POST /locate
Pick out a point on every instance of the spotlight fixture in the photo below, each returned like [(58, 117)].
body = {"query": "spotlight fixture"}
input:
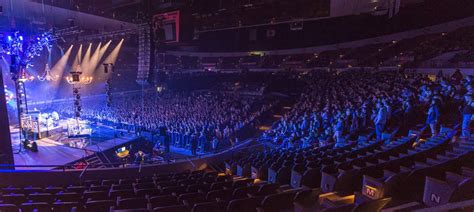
[(107, 67)]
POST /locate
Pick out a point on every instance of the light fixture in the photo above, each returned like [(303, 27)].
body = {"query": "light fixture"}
[(76, 77), (47, 75)]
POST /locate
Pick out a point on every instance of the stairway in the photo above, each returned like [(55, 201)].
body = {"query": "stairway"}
[(94, 161)]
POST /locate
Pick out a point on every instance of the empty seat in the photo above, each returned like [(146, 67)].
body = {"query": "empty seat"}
[(99, 205), (209, 207), (15, 199), (121, 193), (53, 190), (132, 203), (220, 185), (173, 208), (382, 186), (109, 182), (31, 207), (148, 185), (67, 206), (223, 194), (147, 192), (122, 187), (239, 205), (306, 200), (267, 189), (8, 208), (375, 205), (126, 181), (162, 201), (165, 184), (89, 183), (77, 189), (175, 190), (455, 188), (11, 190), (100, 188), (278, 202), (282, 176), (68, 197), (191, 198), (94, 195), (41, 197), (32, 190), (186, 182), (341, 179), (130, 210), (203, 188), (244, 191), (244, 170), (311, 178), (259, 171), (242, 183)]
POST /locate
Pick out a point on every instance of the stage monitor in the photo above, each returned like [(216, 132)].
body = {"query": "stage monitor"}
[(166, 27), (121, 149)]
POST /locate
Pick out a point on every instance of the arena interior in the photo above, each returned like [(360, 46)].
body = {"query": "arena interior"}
[(236, 105)]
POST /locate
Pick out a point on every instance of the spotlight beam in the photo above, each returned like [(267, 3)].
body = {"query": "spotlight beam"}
[(94, 60), (111, 58), (78, 59), (58, 70), (87, 56)]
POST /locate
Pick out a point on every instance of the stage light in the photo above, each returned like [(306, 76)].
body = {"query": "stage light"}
[(21, 37), (10, 38)]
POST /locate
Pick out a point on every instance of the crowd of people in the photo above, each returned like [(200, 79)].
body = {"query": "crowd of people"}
[(337, 107), (334, 107), (202, 121)]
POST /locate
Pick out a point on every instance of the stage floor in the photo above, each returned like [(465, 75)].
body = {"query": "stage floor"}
[(53, 152)]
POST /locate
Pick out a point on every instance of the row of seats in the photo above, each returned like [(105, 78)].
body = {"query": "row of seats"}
[(369, 174), (189, 191)]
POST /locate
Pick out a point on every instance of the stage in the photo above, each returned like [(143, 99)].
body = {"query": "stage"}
[(59, 149), (54, 150)]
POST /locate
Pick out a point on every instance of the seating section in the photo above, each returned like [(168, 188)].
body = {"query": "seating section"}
[(187, 191), (436, 50), (410, 172)]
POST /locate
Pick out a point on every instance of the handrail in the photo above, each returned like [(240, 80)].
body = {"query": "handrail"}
[(83, 171)]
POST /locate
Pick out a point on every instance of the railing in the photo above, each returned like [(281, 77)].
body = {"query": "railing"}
[(70, 167)]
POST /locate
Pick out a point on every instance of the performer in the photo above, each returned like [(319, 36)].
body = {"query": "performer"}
[(140, 157), (157, 148)]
